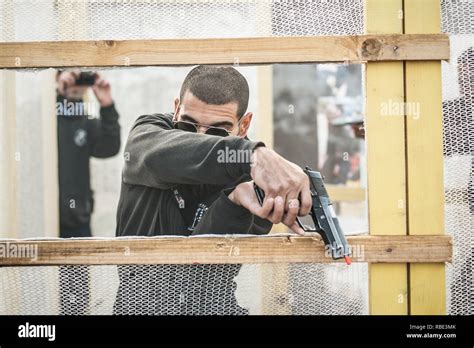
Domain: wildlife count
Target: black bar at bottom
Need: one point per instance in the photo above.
(134, 331)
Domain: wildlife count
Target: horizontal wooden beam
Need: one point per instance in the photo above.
(262, 50)
(220, 250)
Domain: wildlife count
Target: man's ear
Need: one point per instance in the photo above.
(245, 124)
(176, 108)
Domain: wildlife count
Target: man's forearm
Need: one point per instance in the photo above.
(105, 133)
(109, 115)
(225, 217)
(160, 156)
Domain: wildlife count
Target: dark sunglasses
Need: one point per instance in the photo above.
(193, 127)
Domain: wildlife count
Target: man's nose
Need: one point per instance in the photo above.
(202, 129)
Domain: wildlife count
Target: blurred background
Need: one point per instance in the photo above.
(297, 109)
(305, 112)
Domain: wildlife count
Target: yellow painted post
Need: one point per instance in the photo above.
(385, 138)
(425, 159)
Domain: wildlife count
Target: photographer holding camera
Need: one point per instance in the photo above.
(79, 138)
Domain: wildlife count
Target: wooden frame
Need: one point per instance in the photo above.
(262, 50)
(405, 160)
(49, 131)
(9, 167)
(406, 273)
(220, 250)
(424, 159)
(386, 180)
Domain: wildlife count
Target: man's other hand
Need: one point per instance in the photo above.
(102, 92)
(278, 177)
(272, 208)
(66, 80)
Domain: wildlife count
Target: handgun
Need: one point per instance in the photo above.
(324, 219)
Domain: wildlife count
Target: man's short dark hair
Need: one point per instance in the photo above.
(217, 85)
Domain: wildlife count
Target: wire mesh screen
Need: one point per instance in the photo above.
(297, 289)
(247, 289)
(50, 20)
(181, 289)
(458, 125)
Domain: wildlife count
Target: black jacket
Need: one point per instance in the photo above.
(160, 160)
(79, 138)
(164, 166)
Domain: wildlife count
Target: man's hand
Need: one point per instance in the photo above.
(278, 177)
(67, 79)
(272, 209)
(101, 90)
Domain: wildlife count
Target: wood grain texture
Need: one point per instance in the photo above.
(425, 160)
(385, 137)
(262, 50)
(221, 250)
(49, 154)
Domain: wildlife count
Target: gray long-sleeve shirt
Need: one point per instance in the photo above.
(159, 160)
(164, 166)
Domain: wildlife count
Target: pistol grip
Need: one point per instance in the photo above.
(259, 193)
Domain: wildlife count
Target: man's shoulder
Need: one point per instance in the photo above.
(159, 119)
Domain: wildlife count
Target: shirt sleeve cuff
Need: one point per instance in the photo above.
(251, 146)
(109, 113)
(228, 205)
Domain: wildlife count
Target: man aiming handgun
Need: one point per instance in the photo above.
(175, 182)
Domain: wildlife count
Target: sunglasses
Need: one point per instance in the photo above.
(193, 128)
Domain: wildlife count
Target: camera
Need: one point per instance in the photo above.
(86, 79)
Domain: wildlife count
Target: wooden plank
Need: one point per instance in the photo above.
(264, 117)
(219, 250)
(388, 279)
(49, 153)
(223, 51)
(385, 136)
(425, 159)
(8, 156)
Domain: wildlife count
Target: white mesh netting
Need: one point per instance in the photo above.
(181, 289)
(298, 289)
(458, 125)
(254, 289)
(47, 20)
